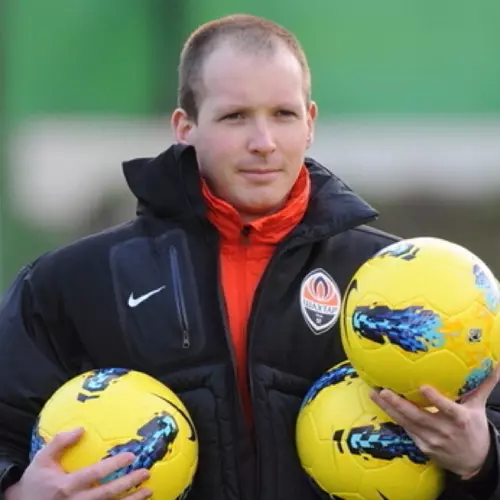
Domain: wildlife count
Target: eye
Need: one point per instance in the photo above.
(285, 113)
(234, 116)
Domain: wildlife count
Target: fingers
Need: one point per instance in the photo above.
(95, 473)
(56, 447)
(142, 494)
(404, 413)
(84, 480)
(121, 485)
(442, 403)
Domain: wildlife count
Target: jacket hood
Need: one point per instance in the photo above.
(169, 186)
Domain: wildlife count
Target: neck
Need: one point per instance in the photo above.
(247, 218)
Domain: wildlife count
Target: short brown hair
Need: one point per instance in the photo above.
(251, 33)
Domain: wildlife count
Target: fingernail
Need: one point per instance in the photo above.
(385, 394)
(424, 389)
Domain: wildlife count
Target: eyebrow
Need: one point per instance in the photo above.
(230, 107)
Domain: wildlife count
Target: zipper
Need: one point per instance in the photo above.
(180, 303)
(245, 235)
(237, 402)
(283, 247)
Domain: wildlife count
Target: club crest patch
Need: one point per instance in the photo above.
(320, 301)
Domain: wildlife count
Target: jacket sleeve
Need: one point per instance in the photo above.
(486, 484)
(32, 365)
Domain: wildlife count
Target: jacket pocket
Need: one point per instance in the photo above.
(180, 301)
(157, 299)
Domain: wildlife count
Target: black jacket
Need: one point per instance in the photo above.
(69, 312)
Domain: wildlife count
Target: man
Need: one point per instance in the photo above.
(202, 291)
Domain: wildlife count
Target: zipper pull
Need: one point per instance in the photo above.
(245, 234)
(186, 342)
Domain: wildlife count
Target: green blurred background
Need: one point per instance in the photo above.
(409, 97)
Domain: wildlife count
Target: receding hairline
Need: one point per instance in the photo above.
(251, 35)
(268, 48)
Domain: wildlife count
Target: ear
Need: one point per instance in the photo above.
(312, 113)
(182, 126)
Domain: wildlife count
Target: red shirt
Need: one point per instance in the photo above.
(245, 251)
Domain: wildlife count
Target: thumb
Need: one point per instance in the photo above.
(55, 448)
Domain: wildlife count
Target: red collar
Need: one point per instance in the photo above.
(268, 229)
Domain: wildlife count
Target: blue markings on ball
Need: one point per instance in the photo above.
(413, 329)
(386, 441)
(154, 441)
(476, 377)
(403, 250)
(37, 441)
(488, 287)
(334, 376)
(99, 380)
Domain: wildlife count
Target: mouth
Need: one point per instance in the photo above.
(260, 171)
(260, 175)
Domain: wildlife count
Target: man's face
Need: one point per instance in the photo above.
(254, 126)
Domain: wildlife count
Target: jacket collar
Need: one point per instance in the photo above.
(169, 186)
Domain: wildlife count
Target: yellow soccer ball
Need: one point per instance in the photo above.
(124, 410)
(422, 311)
(352, 450)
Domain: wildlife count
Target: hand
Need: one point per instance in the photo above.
(454, 435)
(44, 479)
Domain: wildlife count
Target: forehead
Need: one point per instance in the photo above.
(239, 76)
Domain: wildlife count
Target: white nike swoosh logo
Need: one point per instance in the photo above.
(134, 302)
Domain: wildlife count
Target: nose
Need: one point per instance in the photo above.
(261, 141)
